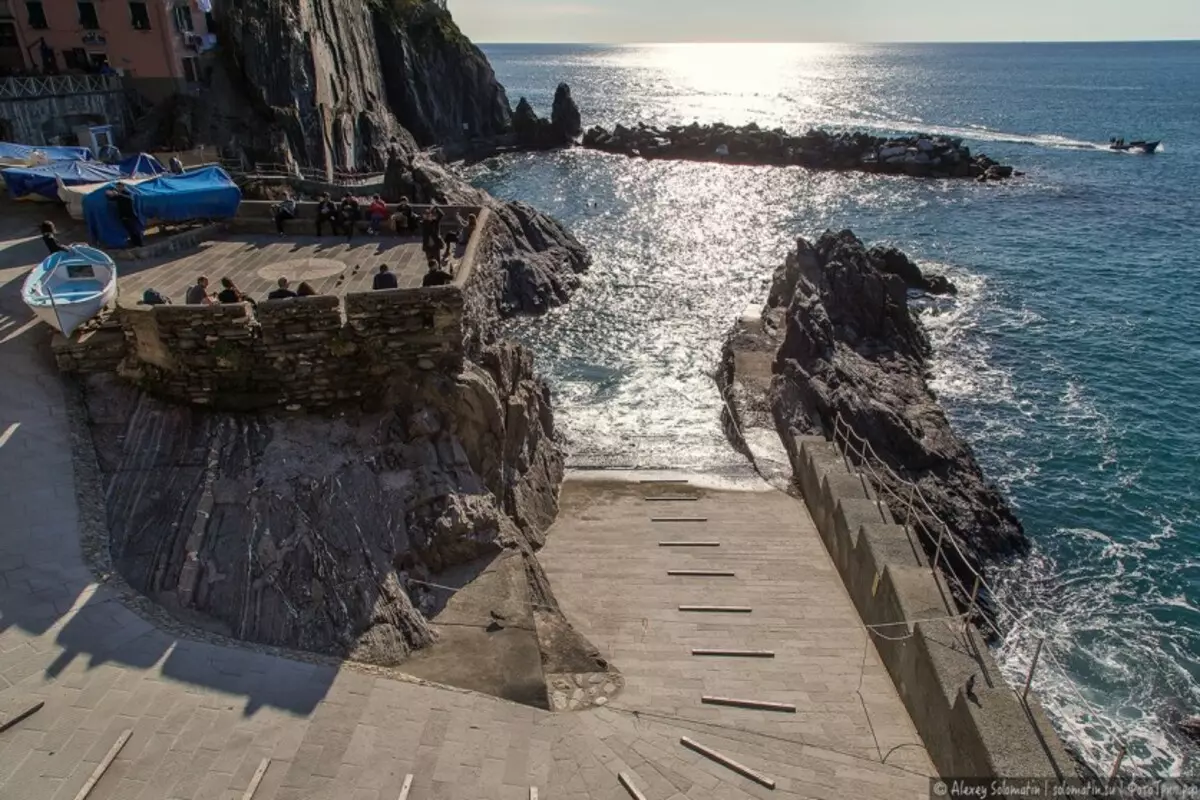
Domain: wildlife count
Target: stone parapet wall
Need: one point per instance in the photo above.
(299, 352)
(971, 722)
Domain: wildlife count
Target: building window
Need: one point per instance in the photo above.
(8, 35)
(191, 72)
(76, 58)
(139, 14)
(37, 16)
(183, 18)
(87, 16)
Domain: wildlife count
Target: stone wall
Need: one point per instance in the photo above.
(305, 352)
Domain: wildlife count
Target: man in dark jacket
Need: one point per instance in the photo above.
(386, 279)
(126, 212)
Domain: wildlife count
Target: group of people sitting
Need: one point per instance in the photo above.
(198, 294)
(343, 217)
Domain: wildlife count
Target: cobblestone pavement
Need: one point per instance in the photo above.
(202, 717)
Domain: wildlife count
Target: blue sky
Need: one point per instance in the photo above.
(825, 20)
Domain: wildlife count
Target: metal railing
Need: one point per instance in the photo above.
(267, 169)
(51, 85)
(860, 457)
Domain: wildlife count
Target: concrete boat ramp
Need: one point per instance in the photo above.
(748, 672)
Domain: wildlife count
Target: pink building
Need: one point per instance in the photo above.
(137, 38)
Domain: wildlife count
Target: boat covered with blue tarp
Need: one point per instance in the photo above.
(12, 153)
(201, 194)
(43, 181)
(140, 165)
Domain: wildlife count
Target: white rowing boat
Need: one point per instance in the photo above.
(70, 287)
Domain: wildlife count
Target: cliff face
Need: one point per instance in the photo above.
(439, 85)
(339, 82)
(326, 534)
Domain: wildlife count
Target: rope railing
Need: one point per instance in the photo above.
(860, 457)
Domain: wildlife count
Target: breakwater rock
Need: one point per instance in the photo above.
(850, 346)
(334, 535)
(921, 155)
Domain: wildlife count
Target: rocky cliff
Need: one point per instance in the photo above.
(849, 345)
(343, 536)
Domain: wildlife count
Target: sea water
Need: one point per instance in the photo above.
(1070, 359)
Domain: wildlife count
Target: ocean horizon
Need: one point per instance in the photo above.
(1070, 359)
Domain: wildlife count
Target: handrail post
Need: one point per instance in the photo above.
(1037, 652)
(974, 597)
(912, 487)
(938, 552)
(1112, 776)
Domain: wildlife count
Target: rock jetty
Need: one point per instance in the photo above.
(920, 155)
(847, 343)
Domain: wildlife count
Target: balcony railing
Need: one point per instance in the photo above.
(54, 85)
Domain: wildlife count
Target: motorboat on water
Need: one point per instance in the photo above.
(1138, 146)
(70, 287)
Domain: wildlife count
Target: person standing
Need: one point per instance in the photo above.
(48, 231)
(122, 198)
(431, 226)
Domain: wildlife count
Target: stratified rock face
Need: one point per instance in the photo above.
(313, 70)
(439, 85)
(306, 532)
(564, 114)
(852, 347)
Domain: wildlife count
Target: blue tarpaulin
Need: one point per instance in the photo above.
(206, 193)
(43, 180)
(140, 165)
(24, 152)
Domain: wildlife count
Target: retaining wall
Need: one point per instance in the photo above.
(992, 732)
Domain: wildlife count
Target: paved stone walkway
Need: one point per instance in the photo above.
(203, 717)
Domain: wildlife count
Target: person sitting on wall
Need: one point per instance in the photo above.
(284, 210)
(283, 292)
(197, 293)
(405, 219)
(126, 212)
(386, 279)
(327, 212)
(376, 213)
(436, 276)
(48, 231)
(457, 234)
(175, 165)
(348, 213)
(230, 293)
(305, 290)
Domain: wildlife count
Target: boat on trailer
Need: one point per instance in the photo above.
(70, 287)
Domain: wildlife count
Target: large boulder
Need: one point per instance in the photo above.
(895, 262)
(853, 349)
(564, 115)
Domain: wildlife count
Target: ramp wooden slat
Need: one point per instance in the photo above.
(679, 519)
(103, 766)
(663, 480)
(689, 544)
(711, 651)
(757, 705)
(627, 782)
(672, 499)
(256, 779)
(727, 762)
(406, 788)
(702, 573)
(20, 716)
(718, 609)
